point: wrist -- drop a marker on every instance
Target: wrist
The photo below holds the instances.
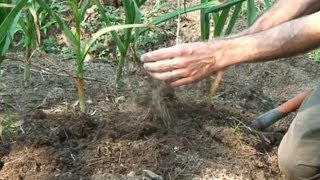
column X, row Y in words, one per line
column 225, row 53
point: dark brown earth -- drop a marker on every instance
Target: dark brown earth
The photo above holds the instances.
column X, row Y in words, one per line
column 120, row 137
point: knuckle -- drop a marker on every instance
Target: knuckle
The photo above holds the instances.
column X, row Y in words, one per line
column 180, row 49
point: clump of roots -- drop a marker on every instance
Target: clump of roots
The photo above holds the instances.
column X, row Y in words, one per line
column 159, row 101
column 163, row 100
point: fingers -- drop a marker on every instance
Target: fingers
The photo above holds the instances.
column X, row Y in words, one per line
column 170, row 75
column 164, row 65
column 165, row 53
column 183, row 81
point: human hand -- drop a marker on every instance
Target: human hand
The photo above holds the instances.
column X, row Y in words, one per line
column 183, row 63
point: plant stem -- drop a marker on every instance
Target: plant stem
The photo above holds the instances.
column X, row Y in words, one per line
column 123, row 55
column 79, row 62
column 80, row 87
column 120, row 68
column 27, row 64
column 80, row 84
column 29, row 38
column 26, row 74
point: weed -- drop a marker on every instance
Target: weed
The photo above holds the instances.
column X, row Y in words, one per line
column 8, row 124
column 315, row 55
column 237, row 125
column 50, row 45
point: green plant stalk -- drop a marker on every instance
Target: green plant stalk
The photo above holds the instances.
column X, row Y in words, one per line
column 130, row 13
column 251, row 11
column 123, row 55
column 80, row 73
column 120, row 68
column 204, row 22
column 221, row 22
column 29, row 46
column 138, row 20
column 122, row 46
column 77, row 14
column 80, row 88
column 233, row 18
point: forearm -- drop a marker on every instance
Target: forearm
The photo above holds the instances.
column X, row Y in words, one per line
column 280, row 12
column 288, row 39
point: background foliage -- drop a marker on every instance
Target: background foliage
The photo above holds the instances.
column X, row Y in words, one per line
column 127, row 25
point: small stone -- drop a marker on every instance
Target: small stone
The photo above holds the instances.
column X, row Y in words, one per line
column 19, row 123
column 152, row 175
column 89, row 101
column 131, row 174
column 259, row 164
column 108, row 99
column 120, row 99
column 176, row 148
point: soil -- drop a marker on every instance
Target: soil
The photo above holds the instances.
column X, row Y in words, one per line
column 122, row 138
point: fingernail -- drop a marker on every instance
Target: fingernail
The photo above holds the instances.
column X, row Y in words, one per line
column 143, row 58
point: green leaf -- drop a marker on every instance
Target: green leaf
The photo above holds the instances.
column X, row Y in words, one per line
column 215, row 17
column 129, row 11
column 7, row 27
column 7, row 22
column 65, row 28
column 212, row 6
column 75, row 12
column 233, row 19
column 105, row 30
column 83, row 9
column 114, row 34
column 32, row 9
column 21, row 26
column 4, row 46
column 130, row 18
column 204, row 22
column 175, row 13
column 221, row 21
column 141, row 2
column 267, row 4
column 4, row 5
column 222, row 6
column 138, row 20
column 251, row 11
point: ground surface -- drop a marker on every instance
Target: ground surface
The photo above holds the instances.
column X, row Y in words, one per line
column 119, row 138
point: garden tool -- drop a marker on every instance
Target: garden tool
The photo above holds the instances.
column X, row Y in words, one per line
column 270, row 117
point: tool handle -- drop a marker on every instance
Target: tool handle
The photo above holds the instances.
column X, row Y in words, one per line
column 294, row 103
column 272, row 116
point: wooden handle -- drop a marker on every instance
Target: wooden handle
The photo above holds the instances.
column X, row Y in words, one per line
column 294, row 103
column 267, row 119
